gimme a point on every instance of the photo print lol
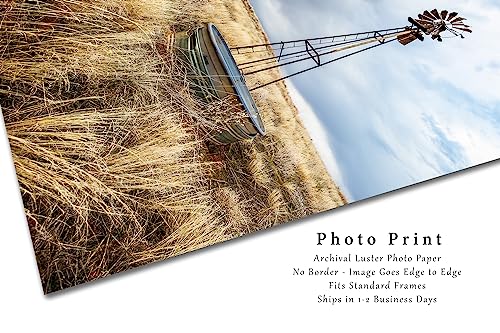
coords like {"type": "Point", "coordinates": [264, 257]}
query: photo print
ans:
{"type": "Point", "coordinates": [144, 130]}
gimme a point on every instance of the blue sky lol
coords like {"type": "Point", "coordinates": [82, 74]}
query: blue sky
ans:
{"type": "Point", "coordinates": [396, 115]}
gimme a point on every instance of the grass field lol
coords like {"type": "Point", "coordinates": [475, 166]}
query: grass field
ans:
{"type": "Point", "coordinates": [105, 136]}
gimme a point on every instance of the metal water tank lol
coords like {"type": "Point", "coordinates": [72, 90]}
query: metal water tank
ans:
{"type": "Point", "coordinates": [214, 76]}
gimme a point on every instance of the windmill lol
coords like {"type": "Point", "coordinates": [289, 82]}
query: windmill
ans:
{"type": "Point", "coordinates": [218, 70]}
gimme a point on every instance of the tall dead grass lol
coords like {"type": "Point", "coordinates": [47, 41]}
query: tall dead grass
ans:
{"type": "Point", "coordinates": [107, 142]}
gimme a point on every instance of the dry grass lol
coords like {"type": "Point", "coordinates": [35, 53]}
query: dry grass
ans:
{"type": "Point", "coordinates": [108, 143]}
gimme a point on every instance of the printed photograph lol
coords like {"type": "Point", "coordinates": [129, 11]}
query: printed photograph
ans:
{"type": "Point", "coordinates": [144, 130]}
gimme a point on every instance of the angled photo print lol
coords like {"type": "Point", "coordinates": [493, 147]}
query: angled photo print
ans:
{"type": "Point", "coordinates": [144, 130]}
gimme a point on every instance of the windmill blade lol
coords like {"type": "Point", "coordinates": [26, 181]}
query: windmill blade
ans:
{"type": "Point", "coordinates": [458, 19]}
{"type": "Point", "coordinates": [465, 29]}
{"type": "Point", "coordinates": [428, 15]}
{"type": "Point", "coordinates": [436, 15]}
{"type": "Point", "coordinates": [462, 28]}
{"type": "Point", "coordinates": [452, 15]}
{"type": "Point", "coordinates": [425, 24]}
{"type": "Point", "coordinates": [458, 23]}
{"type": "Point", "coordinates": [461, 25]}
{"type": "Point", "coordinates": [444, 14]}
{"type": "Point", "coordinates": [422, 18]}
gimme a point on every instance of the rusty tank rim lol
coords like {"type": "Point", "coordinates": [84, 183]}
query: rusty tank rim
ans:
{"type": "Point", "coordinates": [237, 80]}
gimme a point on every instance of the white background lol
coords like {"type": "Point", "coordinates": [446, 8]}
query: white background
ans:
{"type": "Point", "coordinates": [247, 284]}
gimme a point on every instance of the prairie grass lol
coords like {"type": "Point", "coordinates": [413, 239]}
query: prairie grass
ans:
{"type": "Point", "coordinates": [109, 142]}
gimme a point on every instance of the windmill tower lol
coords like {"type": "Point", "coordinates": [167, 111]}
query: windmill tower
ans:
{"type": "Point", "coordinates": [218, 71]}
